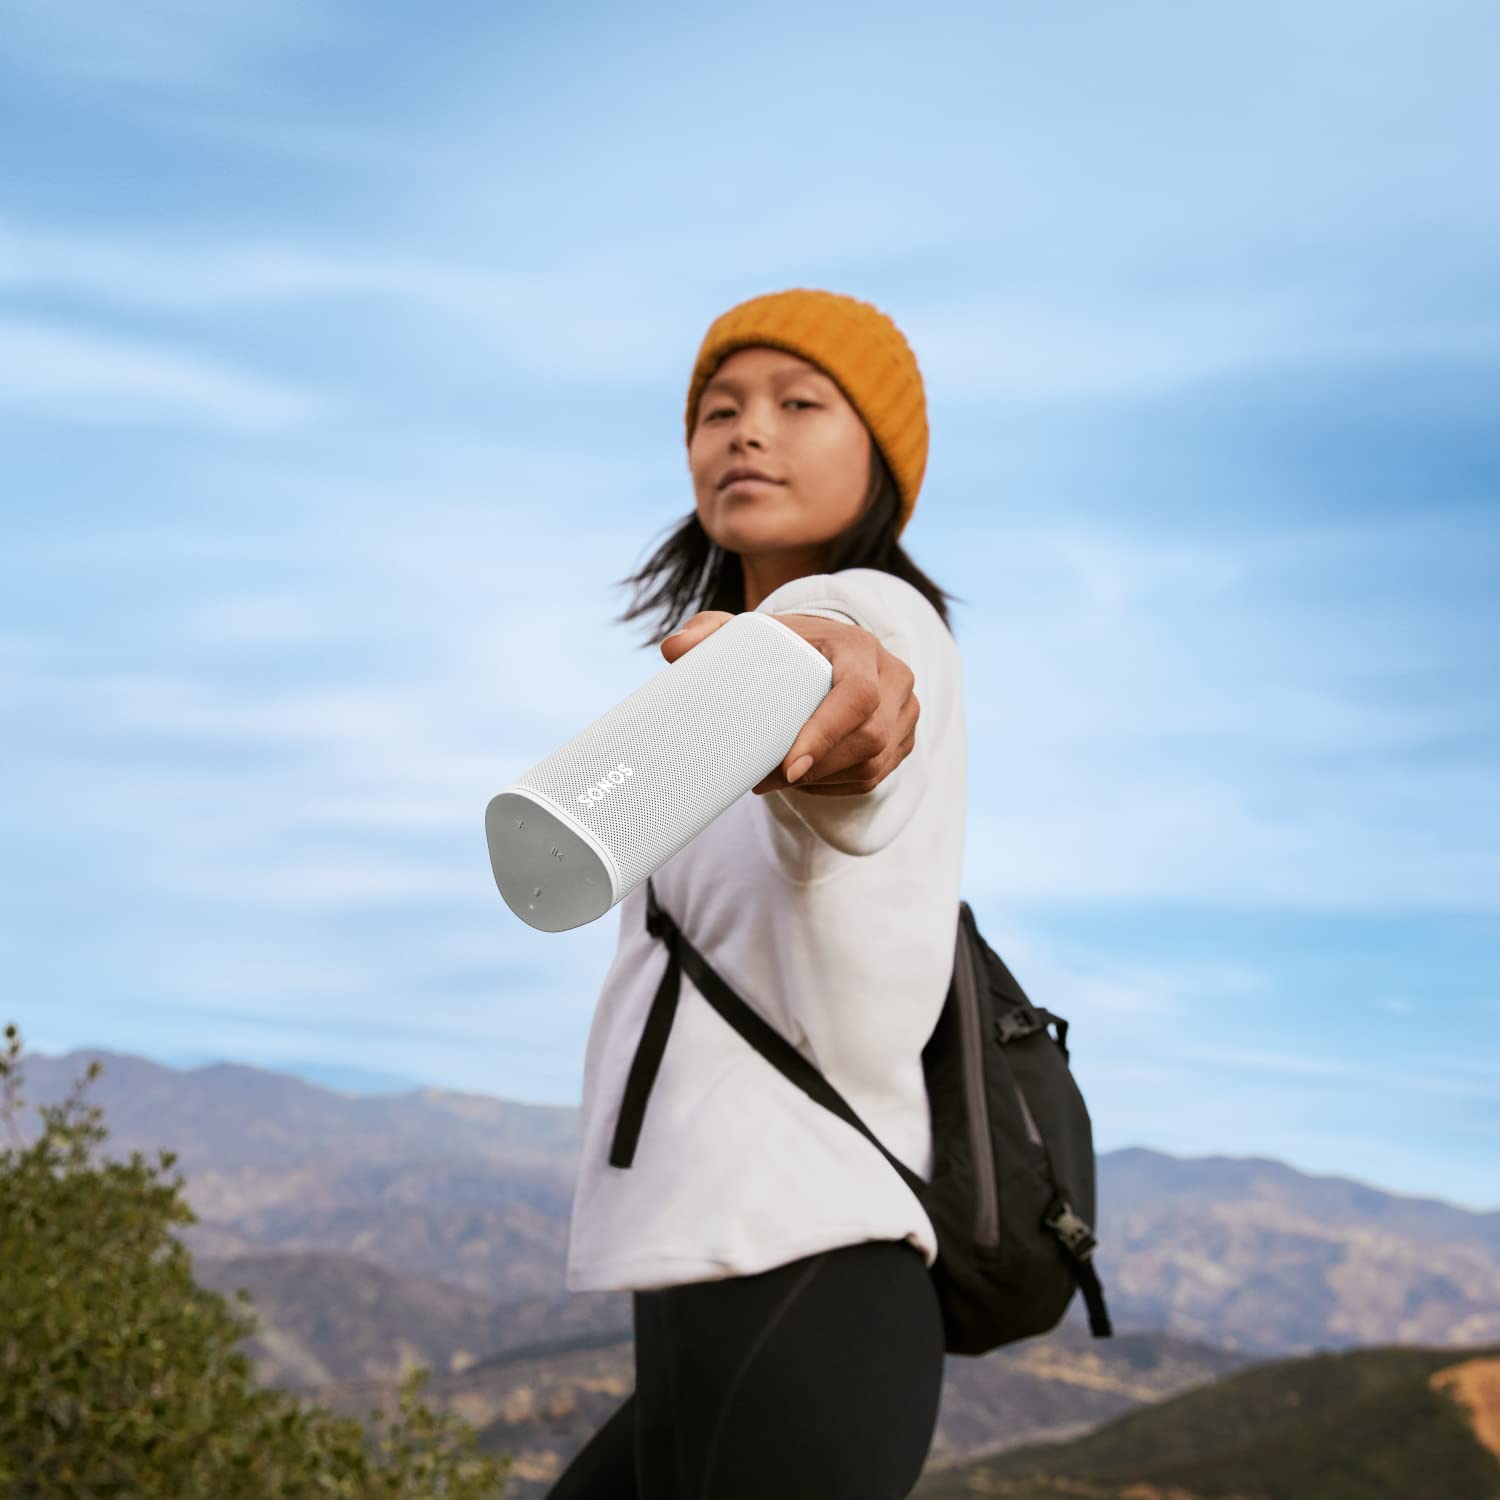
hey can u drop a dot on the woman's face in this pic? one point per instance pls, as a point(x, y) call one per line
point(770, 410)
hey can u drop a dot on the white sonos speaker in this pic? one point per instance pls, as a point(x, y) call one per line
point(581, 829)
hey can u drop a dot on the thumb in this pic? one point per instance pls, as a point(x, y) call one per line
point(700, 627)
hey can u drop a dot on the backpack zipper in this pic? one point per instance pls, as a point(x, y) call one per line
point(976, 1109)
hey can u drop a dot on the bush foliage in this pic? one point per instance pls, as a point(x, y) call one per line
point(119, 1375)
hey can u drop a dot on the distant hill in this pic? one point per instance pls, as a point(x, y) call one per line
point(1243, 1253)
point(475, 1190)
point(329, 1317)
point(1371, 1424)
point(430, 1227)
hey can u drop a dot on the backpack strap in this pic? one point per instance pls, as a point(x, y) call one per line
point(653, 1042)
point(1078, 1242)
point(766, 1040)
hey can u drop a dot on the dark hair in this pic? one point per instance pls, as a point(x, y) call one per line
point(701, 575)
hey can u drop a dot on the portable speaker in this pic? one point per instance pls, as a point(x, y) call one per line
point(582, 828)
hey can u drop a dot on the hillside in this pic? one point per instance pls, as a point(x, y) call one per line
point(1243, 1253)
point(1371, 1424)
point(429, 1227)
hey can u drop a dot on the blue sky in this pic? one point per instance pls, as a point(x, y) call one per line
point(342, 359)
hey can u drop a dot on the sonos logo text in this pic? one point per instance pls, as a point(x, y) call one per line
point(605, 784)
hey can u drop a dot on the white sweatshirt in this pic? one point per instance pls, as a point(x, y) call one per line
point(832, 917)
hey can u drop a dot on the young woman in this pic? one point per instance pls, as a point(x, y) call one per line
point(788, 1340)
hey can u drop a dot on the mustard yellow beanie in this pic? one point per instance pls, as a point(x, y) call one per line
point(855, 344)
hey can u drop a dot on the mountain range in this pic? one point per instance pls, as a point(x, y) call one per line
point(374, 1232)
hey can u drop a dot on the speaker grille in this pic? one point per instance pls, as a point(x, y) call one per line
point(695, 737)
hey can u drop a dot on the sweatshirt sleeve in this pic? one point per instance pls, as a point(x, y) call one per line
point(903, 620)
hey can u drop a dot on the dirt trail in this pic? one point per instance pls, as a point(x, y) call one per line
point(1476, 1383)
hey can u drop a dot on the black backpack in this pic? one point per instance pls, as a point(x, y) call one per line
point(1012, 1190)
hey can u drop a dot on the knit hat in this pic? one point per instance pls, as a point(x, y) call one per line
point(854, 343)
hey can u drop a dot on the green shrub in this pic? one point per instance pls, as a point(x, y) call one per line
point(119, 1376)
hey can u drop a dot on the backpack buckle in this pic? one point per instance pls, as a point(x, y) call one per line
point(1074, 1232)
point(1021, 1020)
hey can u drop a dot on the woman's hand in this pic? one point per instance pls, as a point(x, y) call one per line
point(863, 729)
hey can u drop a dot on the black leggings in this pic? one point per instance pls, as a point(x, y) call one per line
point(819, 1378)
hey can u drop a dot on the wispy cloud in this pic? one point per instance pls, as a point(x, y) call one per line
point(296, 881)
point(1048, 342)
point(1042, 341)
point(268, 619)
point(98, 378)
point(173, 274)
point(1146, 776)
point(592, 326)
point(154, 42)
